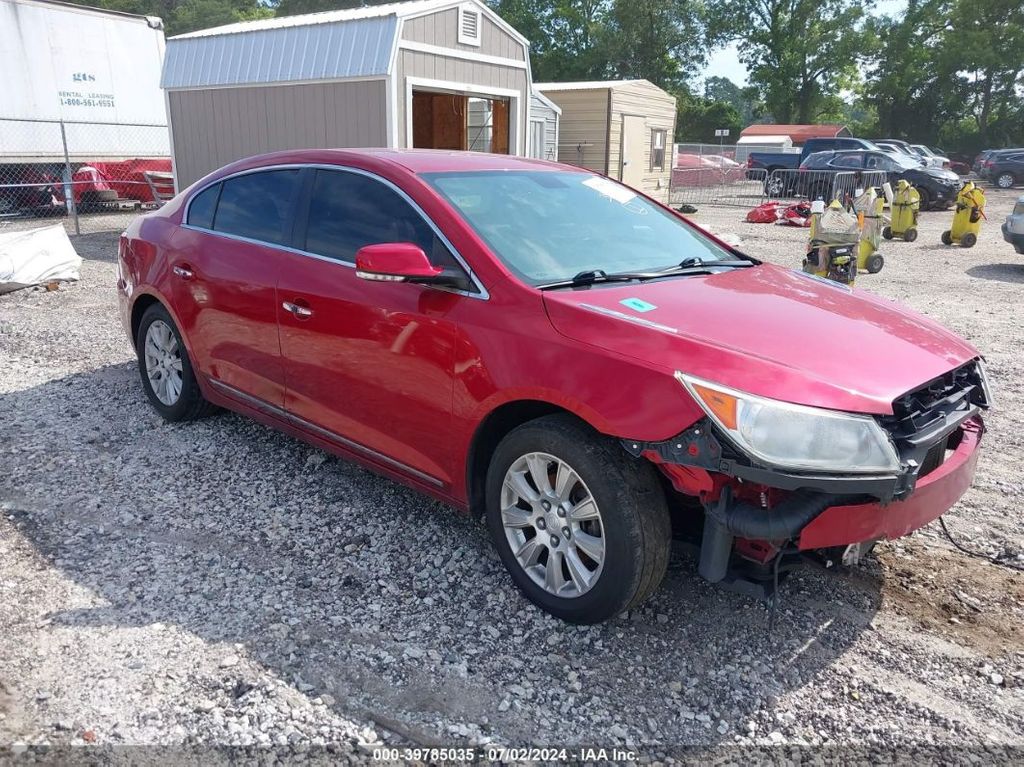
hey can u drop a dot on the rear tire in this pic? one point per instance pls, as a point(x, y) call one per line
point(875, 264)
point(887, 233)
point(166, 370)
point(968, 240)
point(947, 237)
point(593, 491)
point(1005, 181)
point(910, 235)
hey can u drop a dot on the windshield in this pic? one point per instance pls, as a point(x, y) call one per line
point(548, 226)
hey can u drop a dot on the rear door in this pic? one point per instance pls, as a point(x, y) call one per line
point(368, 364)
point(224, 280)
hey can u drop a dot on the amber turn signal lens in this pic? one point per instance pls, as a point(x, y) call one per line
point(722, 405)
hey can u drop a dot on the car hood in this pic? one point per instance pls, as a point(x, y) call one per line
point(938, 173)
point(769, 331)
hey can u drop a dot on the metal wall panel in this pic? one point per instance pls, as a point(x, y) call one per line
point(217, 126)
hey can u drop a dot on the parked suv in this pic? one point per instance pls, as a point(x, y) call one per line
point(545, 347)
point(937, 186)
point(1005, 169)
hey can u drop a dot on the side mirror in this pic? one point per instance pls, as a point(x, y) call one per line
point(394, 262)
point(403, 262)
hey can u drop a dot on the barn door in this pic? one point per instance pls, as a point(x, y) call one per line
point(634, 130)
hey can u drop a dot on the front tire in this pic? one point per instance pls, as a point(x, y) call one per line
point(875, 264)
point(968, 240)
point(582, 527)
point(166, 370)
point(947, 237)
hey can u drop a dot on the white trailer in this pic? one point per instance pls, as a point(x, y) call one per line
point(95, 71)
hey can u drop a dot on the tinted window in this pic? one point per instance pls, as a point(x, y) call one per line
point(348, 211)
point(202, 207)
point(848, 161)
point(256, 205)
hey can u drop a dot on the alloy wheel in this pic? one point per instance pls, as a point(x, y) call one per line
point(552, 524)
point(1005, 181)
point(163, 362)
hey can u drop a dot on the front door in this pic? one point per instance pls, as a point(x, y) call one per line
point(634, 140)
point(224, 280)
point(368, 364)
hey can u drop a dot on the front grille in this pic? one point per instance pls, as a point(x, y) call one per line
point(924, 420)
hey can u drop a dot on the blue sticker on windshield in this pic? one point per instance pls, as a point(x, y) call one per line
point(637, 304)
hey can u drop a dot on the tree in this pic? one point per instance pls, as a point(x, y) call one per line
point(697, 120)
point(181, 16)
point(297, 7)
point(746, 101)
point(657, 40)
point(800, 53)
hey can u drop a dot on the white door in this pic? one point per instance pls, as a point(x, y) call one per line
point(537, 148)
point(634, 138)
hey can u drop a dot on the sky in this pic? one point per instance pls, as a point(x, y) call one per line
point(725, 62)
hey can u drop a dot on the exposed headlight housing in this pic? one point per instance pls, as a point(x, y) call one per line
point(788, 436)
point(986, 387)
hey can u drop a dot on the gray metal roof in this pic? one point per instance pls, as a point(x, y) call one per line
point(322, 51)
point(356, 42)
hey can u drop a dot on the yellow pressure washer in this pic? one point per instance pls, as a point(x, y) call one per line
point(831, 252)
point(869, 208)
point(967, 217)
point(906, 203)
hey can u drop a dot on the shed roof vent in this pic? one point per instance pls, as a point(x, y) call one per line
point(469, 25)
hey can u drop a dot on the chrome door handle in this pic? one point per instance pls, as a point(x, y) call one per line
point(302, 312)
point(184, 273)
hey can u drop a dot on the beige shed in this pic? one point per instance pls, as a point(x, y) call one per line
point(438, 74)
point(622, 128)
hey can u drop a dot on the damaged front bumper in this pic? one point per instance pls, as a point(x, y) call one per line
point(836, 510)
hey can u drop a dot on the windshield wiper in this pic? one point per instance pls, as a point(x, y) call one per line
point(697, 261)
point(691, 265)
point(590, 276)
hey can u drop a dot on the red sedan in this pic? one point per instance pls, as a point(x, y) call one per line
point(547, 348)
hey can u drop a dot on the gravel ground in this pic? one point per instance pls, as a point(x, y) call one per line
point(219, 583)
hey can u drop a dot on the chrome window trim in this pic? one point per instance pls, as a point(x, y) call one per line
point(481, 294)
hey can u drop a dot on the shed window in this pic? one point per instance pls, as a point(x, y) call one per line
point(658, 149)
point(258, 205)
point(469, 25)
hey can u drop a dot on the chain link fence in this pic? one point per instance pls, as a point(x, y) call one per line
point(94, 177)
point(717, 174)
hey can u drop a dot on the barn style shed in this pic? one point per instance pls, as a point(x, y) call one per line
point(437, 74)
point(622, 128)
point(544, 118)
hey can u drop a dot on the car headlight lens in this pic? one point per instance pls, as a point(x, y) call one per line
point(790, 436)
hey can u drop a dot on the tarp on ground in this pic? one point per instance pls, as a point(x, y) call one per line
point(36, 257)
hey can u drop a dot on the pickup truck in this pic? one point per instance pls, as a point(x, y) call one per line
point(771, 161)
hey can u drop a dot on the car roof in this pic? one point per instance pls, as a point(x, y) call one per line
point(415, 161)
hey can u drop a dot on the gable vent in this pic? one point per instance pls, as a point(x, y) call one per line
point(469, 25)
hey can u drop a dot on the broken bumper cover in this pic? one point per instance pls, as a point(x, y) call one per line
point(932, 497)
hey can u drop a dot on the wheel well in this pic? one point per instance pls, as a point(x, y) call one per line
point(142, 303)
point(489, 433)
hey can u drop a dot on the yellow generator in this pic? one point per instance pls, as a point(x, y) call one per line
point(869, 208)
point(906, 203)
point(967, 217)
point(831, 252)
